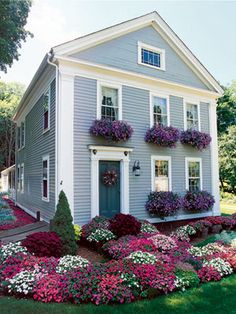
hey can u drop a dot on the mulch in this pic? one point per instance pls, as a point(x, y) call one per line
point(22, 218)
point(90, 254)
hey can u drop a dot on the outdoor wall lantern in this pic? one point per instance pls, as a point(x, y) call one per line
point(136, 168)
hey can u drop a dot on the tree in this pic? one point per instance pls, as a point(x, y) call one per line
point(63, 226)
point(226, 109)
point(227, 159)
point(13, 18)
point(10, 95)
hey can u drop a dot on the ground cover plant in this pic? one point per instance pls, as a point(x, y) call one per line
point(142, 265)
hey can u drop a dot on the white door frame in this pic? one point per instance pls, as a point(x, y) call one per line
point(110, 154)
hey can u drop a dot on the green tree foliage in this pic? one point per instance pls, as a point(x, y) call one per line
point(10, 95)
point(227, 159)
point(226, 109)
point(63, 226)
point(13, 18)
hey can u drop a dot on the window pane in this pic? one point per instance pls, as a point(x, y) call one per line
point(18, 137)
point(46, 101)
point(109, 109)
point(161, 175)
point(150, 57)
point(194, 169)
point(160, 110)
point(194, 184)
point(45, 120)
point(45, 188)
point(192, 116)
point(45, 169)
point(22, 134)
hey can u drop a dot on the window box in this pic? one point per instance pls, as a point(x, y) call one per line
point(198, 201)
point(160, 135)
point(195, 138)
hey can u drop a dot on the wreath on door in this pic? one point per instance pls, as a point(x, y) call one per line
point(109, 178)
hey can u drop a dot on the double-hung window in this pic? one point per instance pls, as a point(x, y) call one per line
point(159, 110)
point(109, 102)
point(18, 138)
point(45, 178)
point(151, 56)
point(192, 116)
point(193, 174)
point(18, 177)
point(46, 110)
point(161, 173)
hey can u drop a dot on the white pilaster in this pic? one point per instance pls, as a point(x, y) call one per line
point(214, 158)
point(65, 160)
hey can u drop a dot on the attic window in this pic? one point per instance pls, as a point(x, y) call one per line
point(151, 56)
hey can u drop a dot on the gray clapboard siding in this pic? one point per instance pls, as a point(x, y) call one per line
point(122, 53)
point(38, 144)
point(135, 103)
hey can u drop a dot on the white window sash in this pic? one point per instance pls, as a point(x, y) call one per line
point(151, 102)
point(187, 177)
point(154, 158)
point(186, 119)
point(45, 158)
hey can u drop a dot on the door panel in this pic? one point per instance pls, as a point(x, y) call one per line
point(109, 196)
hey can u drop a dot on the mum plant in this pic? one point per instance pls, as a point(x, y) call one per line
point(198, 201)
point(115, 131)
point(122, 224)
point(162, 135)
point(163, 204)
point(43, 244)
point(195, 138)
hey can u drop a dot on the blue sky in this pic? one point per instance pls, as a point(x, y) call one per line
point(208, 28)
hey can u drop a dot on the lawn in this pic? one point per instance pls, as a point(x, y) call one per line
point(208, 298)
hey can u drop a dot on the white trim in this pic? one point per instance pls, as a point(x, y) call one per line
point(65, 137)
point(46, 158)
point(22, 177)
point(214, 158)
point(161, 95)
point(193, 159)
point(153, 19)
point(153, 160)
point(109, 153)
point(49, 108)
point(101, 84)
point(192, 101)
point(160, 51)
point(180, 217)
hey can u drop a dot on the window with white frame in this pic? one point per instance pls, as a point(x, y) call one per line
point(192, 116)
point(45, 178)
point(159, 110)
point(18, 178)
point(109, 103)
point(46, 110)
point(22, 134)
point(193, 174)
point(151, 56)
point(161, 173)
point(22, 177)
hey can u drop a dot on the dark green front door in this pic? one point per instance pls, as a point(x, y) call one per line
point(109, 196)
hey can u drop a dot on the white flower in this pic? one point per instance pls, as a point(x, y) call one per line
point(69, 262)
point(11, 249)
point(101, 235)
point(223, 267)
point(140, 257)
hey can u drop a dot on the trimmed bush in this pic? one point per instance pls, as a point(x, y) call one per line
point(163, 204)
point(198, 201)
point(43, 244)
point(122, 225)
point(63, 226)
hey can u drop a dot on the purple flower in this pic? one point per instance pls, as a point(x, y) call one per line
point(198, 201)
point(162, 135)
point(195, 138)
point(114, 131)
point(163, 204)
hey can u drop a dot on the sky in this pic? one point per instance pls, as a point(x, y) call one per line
point(208, 28)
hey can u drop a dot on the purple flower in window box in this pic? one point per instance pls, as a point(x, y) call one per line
point(163, 204)
point(115, 131)
point(198, 201)
point(162, 135)
point(195, 138)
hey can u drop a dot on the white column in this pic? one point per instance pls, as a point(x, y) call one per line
point(125, 186)
point(214, 158)
point(94, 185)
point(65, 129)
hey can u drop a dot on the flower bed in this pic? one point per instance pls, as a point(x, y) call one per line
point(142, 264)
point(19, 217)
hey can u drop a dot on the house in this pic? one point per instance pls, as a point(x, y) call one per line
point(138, 71)
point(8, 181)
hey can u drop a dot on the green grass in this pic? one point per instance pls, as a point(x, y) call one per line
point(227, 208)
point(225, 236)
point(209, 298)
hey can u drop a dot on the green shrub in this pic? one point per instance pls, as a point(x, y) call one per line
point(186, 279)
point(63, 226)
